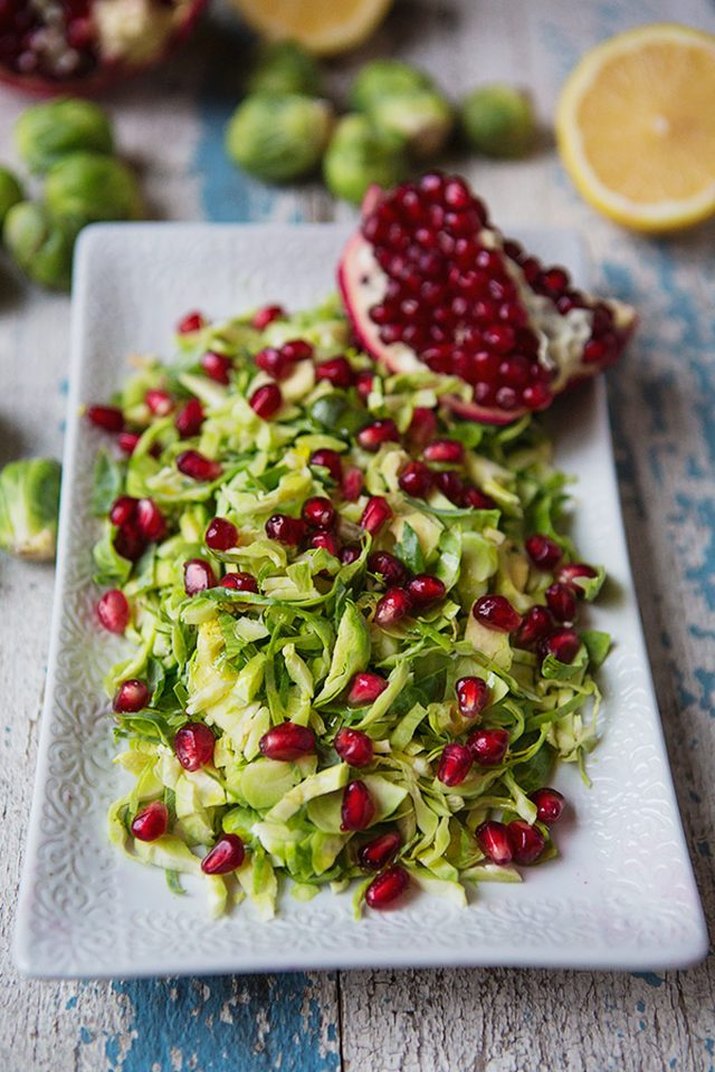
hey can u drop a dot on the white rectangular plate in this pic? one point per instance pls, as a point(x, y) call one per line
point(622, 895)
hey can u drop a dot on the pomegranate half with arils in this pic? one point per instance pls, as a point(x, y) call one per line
point(428, 280)
point(83, 46)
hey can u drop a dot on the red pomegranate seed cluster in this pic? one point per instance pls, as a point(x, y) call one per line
point(456, 300)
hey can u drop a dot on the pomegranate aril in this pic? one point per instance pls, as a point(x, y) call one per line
point(337, 371)
point(561, 601)
point(131, 696)
point(159, 402)
point(477, 500)
point(285, 529)
point(216, 366)
point(563, 645)
point(416, 480)
point(354, 747)
point(113, 611)
point(352, 483)
point(387, 887)
point(424, 589)
point(451, 485)
point(150, 520)
point(151, 822)
point(194, 745)
point(496, 612)
point(572, 572)
point(108, 418)
point(377, 513)
point(472, 696)
point(526, 842)
point(240, 582)
point(549, 804)
point(375, 854)
point(189, 419)
point(265, 316)
point(330, 460)
point(297, 350)
point(328, 541)
point(266, 400)
point(227, 854)
point(454, 764)
point(422, 428)
point(390, 568)
point(273, 363)
point(348, 555)
point(554, 281)
point(127, 441)
point(543, 551)
point(221, 534)
point(197, 466)
point(122, 510)
point(393, 607)
point(444, 450)
point(493, 840)
point(358, 808)
point(536, 396)
point(129, 542)
point(365, 687)
point(198, 576)
point(193, 321)
point(363, 383)
point(488, 746)
point(374, 435)
point(536, 624)
point(319, 512)
point(287, 741)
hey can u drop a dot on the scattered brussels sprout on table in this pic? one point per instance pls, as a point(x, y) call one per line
point(29, 503)
point(359, 155)
point(90, 187)
point(498, 120)
point(47, 132)
point(40, 245)
point(278, 137)
point(10, 192)
point(68, 143)
point(281, 130)
point(284, 67)
point(381, 79)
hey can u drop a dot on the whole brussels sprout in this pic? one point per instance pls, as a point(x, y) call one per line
point(284, 67)
point(498, 120)
point(278, 137)
point(421, 117)
point(359, 155)
point(40, 245)
point(10, 192)
point(46, 132)
point(89, 187)
point(29, 503)
point(385, 78)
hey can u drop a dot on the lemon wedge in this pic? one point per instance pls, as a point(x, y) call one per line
point(323, 27)
point(635, 127)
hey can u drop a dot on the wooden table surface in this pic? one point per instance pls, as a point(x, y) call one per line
point(662, 399)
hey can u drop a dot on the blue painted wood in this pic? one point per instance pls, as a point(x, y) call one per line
point(221, 1024)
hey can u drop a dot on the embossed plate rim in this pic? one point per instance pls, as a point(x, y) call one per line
point(84, 911)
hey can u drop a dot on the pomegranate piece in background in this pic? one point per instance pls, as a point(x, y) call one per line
point(83, 46)
point(480, 307)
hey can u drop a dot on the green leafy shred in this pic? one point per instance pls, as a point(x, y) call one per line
point(242, 661)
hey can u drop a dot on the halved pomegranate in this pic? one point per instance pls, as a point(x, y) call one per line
point(427, 280)
point(83, 46)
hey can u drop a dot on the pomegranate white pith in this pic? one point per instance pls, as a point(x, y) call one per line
point(427, 280)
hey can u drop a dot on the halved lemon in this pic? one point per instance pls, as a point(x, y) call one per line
point(323, 27)
point(635, 127)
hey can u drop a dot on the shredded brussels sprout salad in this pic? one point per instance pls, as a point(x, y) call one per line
point(356, 646)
